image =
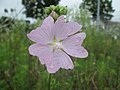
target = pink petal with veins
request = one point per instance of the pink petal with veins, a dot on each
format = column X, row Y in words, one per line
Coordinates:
column 42, row 51
column 44, row 33
column 60, row 60
column 72, row 45
column 63, row 30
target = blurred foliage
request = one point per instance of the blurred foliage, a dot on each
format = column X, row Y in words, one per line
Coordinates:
column 100, row 71
column 35, row 8
column 6, row 21
column 105, row 8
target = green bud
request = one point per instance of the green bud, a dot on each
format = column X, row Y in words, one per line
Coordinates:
column 47, row 10
column 52, row 7
column 63, row 11
column 56, row 11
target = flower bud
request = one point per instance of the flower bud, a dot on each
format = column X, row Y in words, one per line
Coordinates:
column 54, row 15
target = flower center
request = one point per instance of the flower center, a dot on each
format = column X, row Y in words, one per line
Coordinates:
column 56, row 45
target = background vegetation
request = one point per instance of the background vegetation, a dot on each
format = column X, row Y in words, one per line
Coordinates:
column 100, row 71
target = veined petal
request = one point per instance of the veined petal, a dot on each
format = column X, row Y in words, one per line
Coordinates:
column 72, row 45
column 63, row 30
column 76, row 39
column 47, row 28
column 73, row 27
column 53, row 64
column 66, row 61
column 35, row 36
column 59, row 60
column 44, row 33
column 60, row 19
column 42, row 51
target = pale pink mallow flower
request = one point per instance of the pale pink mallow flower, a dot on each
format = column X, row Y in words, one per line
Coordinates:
column 54, row 41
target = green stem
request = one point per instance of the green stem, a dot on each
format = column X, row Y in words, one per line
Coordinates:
column 49, row 80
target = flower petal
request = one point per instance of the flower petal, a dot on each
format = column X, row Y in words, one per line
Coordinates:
column 60, row 60
column 35, row 36
column 60, row 19
column 42, row 51
column 44, row 33
column 72, row 46
column 73, row 27
column 63, row 30
column 53, row 64
column 65, row 60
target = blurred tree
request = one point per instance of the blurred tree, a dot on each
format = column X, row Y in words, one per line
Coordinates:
column 12, row 10
column 35, row 8
column 105, row 8
column 5, row 10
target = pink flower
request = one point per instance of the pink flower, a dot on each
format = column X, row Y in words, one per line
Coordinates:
column 54, row 41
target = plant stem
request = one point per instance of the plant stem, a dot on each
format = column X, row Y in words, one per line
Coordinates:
column 49, row 80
